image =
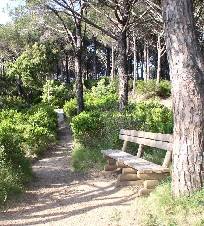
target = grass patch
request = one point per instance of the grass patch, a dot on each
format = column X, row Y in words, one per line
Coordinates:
column 161, row 209
column 84, row 158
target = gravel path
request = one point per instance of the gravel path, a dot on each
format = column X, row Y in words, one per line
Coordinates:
column 57, row 196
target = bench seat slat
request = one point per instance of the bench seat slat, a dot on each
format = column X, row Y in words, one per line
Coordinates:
column 148, row 135
column 134, row 162
column 148, row 142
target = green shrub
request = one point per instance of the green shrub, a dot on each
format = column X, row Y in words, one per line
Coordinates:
column 100, row 129
column 103, row 103
column 55, row 93
column 152, row 117
column 86, row 125
column 15, row 169
column 12, row 102
column 84, row 158
column 150, row 88
column 89, row 83
column 36, row 127
column 160, row 208
column 10, row 182
column 10, row 140
column 70, row 108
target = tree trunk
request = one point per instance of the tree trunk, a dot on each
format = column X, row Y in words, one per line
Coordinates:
column 94, row 59
column 78, row 68
column 113, row 63
column 187, row 73
column 108, row 61
column 135, row 65
column 147, row 61
column 158, row 58
column 67, row 69
column 123, row 70
column 142, row 64
column 58, row 70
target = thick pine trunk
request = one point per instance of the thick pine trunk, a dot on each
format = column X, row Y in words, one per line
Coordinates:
column 187, row 73
column 123, row 70
column 78, row 69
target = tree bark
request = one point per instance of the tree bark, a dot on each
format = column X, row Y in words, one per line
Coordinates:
column 158, row 58
column 94, row 59
column 67, row 69
column 135, row 64
column 187, row 73
column 108, row 61
column 78, row 68
column 147, row 62
column 113, row 63
column 123, row 70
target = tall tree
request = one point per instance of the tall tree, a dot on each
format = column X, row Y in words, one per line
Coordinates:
column 187, row 74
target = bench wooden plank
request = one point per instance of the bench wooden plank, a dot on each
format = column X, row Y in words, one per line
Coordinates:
column 148, row 142
column 134, row 162
column 148, row 135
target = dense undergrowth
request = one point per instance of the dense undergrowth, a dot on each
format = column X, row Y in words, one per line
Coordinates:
column 24, row 134
column 98, row 126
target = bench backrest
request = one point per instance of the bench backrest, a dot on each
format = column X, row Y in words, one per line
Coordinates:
column 157, row 140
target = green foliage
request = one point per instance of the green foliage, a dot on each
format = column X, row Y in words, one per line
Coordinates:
column 56, row 93
column 23, row 134
column 12, row 102
column 89, row 83
column 150, row 88
column 33, row 65
column 70, row 108
column 152, row 116
column 15, row 169
column 160, row 208
column 99, row 129
column 84, row 158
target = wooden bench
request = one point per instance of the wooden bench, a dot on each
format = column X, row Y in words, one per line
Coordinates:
column 135, row 169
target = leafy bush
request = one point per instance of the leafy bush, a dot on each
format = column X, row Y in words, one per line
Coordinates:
column 55, row 93
column 100, row 129
column 25, row 133
column 9, row 182
column 103, row 103
column 85, row 125
column 152, row 117
column 36, row 127
column 150, row 88
column 70, row 108
column 160, row 208
column 33, row 65
column 12, row 102
column 15, row 169
column 89, row 83
column 84, row 158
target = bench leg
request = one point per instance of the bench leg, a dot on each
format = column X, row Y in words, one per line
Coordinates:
column 128, row 178
column 144, row 192
column 111, row 165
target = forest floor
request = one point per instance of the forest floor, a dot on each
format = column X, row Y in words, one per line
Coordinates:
column 60, row 197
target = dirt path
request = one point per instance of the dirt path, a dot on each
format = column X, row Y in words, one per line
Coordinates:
column 58, row 196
